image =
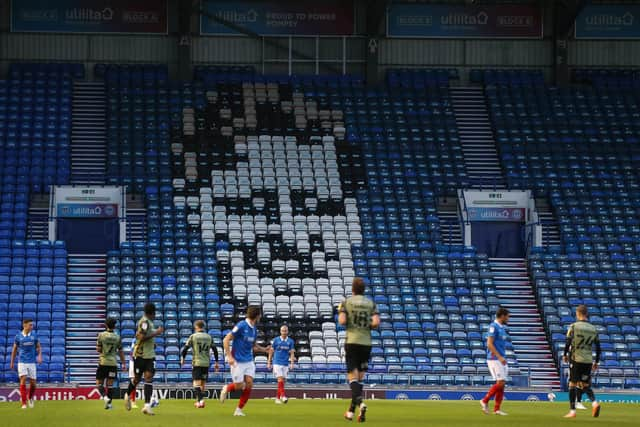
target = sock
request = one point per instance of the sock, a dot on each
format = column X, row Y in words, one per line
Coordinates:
column 353, row 387
column 148, row 391
column 492, row 392
column 110, row 393
column 132, row 396
column 590, row 394
column 280, row 389
column 579, row 393
column 198, row 392
column 23, row 393
column 359, row 387
column 499, row 398
column 32, row 391
column 356, row 395
column 244, row 397
column 131, row 388
column 572, row 398
column 102, row 391
column 231, row 387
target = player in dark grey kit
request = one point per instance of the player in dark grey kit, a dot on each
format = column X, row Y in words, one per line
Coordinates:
column 582, row 337
column 359, row 314
column 108, row 345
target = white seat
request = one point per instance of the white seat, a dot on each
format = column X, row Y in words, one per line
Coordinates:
column 328, row 326
column 311, row 308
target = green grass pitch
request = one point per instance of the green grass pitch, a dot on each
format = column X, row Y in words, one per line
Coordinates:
column 309, row 413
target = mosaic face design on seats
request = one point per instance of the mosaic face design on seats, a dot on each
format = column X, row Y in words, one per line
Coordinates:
column 277, row 202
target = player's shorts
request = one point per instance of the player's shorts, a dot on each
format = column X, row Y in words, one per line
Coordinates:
column 498, row 371
column 106, row 372
column 132, row 371
column 27, row 370
column 281, row 371
column 141, row 366
column 200, row 373
column 357, row 357
column 242, row 369
column 579, row 372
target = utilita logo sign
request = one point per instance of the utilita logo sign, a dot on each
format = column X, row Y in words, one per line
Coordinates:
column 610, row 19
column 8, row 394
column 86, row 14
column 482, row 18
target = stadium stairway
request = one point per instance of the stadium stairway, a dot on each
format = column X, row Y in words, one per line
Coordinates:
column 450, row 227
column 550, row 229
column 86, row 307
column 38, row 219
column 136, row 220
column 476, row 137
column 88, row 133
column 530, row 344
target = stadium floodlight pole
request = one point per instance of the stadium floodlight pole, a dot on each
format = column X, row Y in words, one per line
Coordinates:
column 267, row 41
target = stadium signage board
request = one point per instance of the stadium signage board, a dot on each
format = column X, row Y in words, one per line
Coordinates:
column 606, row 397
column 87, row 210
column 272, row 18
column 80, row 194
column 496, row 214
column 161, row 392
column 502, row 199
column 460, row 395
column 12, row 394
column 419, row 20
column 89, row 16
column 610, row 21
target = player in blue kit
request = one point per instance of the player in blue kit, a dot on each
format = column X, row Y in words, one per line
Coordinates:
column 240, row 357
column 283, row 355
column 497, row 339
column 27, row 347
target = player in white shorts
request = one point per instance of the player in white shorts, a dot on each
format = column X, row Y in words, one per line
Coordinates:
column 283, row 348
column 26, row 347
column 497, row 339
column 240, row 357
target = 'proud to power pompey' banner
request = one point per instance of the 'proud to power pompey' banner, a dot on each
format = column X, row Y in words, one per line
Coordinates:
column 290, row 17
column 89, row 16
column 419, row 20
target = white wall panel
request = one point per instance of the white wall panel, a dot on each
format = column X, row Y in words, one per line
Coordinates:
column 508, row 53
column 227, row 50
column 43, row 47
column 119, row 48
column 413, row 52
column 604, row 53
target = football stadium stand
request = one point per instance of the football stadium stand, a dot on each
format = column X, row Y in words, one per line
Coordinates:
column 278, row 190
